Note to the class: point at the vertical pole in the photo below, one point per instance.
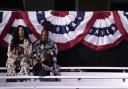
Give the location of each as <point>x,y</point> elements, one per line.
<point>76,5</point>
<point>109,5</point>
<point>24,5</point>
<point>124,78</point>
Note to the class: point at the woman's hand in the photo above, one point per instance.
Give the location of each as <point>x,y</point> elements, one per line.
<point>45,56</point>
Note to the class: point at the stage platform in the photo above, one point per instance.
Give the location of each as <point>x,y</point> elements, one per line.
<point>69,80</point>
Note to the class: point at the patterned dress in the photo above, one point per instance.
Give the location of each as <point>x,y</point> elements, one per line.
<point>19,59</point>
<point>45,54</point>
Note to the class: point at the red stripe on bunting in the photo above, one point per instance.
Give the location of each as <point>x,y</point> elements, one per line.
<point>24,14</point>
<point>8,25</point>
<point>3,43</point>
<point>6,29</point>
<point>102,47</point>
<point>60,13</point>
<point>101,14</point>
<point>72,43</point>
<point>120,25</point>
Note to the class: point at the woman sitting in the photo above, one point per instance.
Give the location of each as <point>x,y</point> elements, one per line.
<point>19,52</point>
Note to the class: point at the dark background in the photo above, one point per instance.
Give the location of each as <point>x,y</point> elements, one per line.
<point>80,55</point>
<point>85,5</point>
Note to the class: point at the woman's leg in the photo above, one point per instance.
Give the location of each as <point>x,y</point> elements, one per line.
<point>24,66</point>
<point>11,67</point>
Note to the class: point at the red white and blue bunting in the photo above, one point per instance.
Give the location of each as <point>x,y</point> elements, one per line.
<point>97,30</point>
<point>121,18</point>
<point>104,33</point>
<point>8,25</point>
<point>6,20</point>
<point>67,28</point>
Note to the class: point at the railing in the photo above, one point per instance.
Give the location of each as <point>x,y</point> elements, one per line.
<point>122,76</point>
<point>99,68</point>
<point>67,87</point>
<point>73,85</point>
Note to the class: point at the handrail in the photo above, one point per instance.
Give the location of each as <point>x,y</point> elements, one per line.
<point>122,76</point>
<point>99,68</point>
<point>67,87</point>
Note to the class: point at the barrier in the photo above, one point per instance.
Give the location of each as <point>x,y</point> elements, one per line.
<point>71,80</point>
<point>99,68</point>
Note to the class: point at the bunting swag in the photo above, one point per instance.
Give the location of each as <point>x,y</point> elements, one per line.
<point>121,18</point>
<point>9,26</point>
<point>97,30</point>
<point>31,19</point>
<point>6,20</point>
<point>66,28</point>
<point>104,33</point>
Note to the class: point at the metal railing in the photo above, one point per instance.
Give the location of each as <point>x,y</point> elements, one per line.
<point>66,85</point>
<point>99,68</point>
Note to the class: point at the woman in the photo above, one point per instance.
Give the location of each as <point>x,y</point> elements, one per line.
<point>44,55</point>
<point>19,51</point>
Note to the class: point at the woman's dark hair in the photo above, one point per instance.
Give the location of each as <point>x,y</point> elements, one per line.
<point>15,41</point>
<point>45,25</point>
<point>45,29</point>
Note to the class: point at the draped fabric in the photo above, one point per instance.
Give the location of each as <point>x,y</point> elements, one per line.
<point>104,33</point>
<point>6,20</point>
<point>69,29</point>
<point>97,30</point>
<point>121,17</point>
<point>10,20</point>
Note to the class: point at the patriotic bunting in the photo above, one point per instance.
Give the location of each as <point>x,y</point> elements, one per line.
<point>6,20</point>
<point>97,30</point>
<point>67,28</point>
<point>121,18</point>
<point>104,33</point>
<point>10,22</point>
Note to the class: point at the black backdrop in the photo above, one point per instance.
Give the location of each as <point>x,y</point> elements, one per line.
<point>80,55</point>
<point>85,5</point>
